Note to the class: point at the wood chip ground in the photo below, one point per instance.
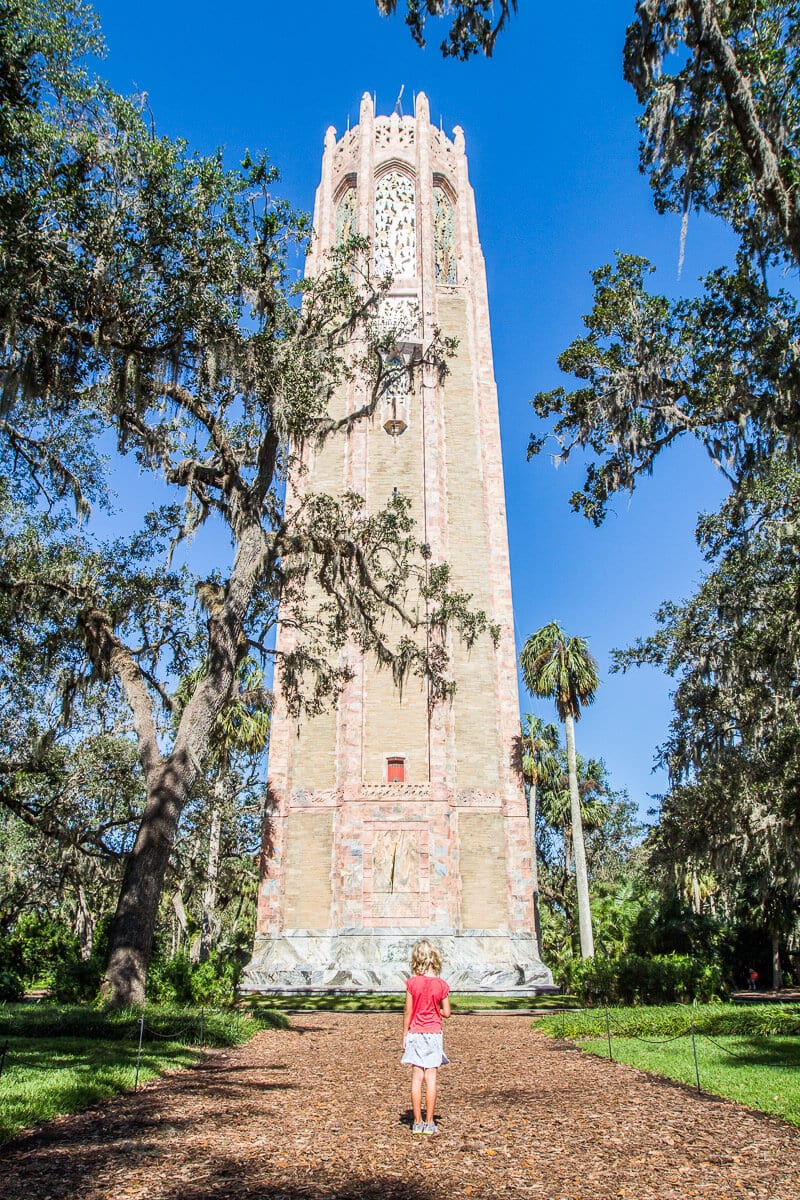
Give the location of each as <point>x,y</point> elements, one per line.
<point>322,1110</point>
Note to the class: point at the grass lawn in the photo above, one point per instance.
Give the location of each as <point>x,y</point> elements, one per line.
<point>751,1055</point>
<point>43,1079</point>
<point>62,1058</point>
<point>765,1074</point>
<point>394,1001</point>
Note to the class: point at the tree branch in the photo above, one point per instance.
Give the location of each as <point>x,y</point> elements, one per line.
<point>756,145</point>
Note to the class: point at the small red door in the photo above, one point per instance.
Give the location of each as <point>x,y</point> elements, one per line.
<point>396,770</point>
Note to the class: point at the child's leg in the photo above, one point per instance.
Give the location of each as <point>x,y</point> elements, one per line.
<point>430,1094</point>
<point>417,1075</point>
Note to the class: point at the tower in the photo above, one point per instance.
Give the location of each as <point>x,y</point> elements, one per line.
<point>391,820</point>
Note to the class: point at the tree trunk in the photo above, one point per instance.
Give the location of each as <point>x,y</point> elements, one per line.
<point>131,939</point>
<point>210,922</point>
<point>170,780</point>
<point>578,846</point>
<point>182,925</point>
<point>84,925</point>
<point>537,928</point>
<point>777,974</point>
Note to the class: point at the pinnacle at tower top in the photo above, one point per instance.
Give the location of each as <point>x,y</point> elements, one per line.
<point>389,818</point>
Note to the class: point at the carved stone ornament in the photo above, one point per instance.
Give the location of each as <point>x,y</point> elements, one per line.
<point>394,132</point>
<point>395,226</point>
<point>400,316</point>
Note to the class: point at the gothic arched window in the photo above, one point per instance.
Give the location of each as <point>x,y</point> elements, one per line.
<point>346,216</point>
<point>444,237</point>
<point>395,225</point>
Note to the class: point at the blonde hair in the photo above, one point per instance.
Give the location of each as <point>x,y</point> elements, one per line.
<point>425,957</point>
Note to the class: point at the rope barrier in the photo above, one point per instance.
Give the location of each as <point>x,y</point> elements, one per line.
<point>637,1037</point>
<point>181,1035</point>
<point>184,1035</point>
<point>176,1035</point>
<point>70,1029</point>
<point>690,1031</point>
<point>650,1041</point>
<point>732,1053</point>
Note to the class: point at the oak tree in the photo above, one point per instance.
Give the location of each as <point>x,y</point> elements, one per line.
<point>151,309</point>
<point>475,24</point>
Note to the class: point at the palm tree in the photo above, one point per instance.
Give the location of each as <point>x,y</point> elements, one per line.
<point>561,668</point>
<point>540,744</point>
<point>554,806</point>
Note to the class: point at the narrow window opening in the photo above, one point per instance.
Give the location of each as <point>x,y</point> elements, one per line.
<point>396,770</point>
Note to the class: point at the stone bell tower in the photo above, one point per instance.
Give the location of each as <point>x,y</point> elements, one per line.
<point>390,819</point>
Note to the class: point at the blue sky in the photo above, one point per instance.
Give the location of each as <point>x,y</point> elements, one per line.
<point>551,137</point>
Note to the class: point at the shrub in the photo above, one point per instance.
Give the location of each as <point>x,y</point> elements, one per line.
<point>44,951</point>
<point>177,980</point>
<point>717,1020</point>
<point>11,986</point>
<point>76,979</point>
<point>634,979</point>
<point>214,981</point>
<point>168,980</point>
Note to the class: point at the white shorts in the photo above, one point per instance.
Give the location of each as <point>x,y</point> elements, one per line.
<point>424,1050</point>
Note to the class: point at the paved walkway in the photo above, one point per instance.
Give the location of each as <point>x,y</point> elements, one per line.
<point>322,1111</point>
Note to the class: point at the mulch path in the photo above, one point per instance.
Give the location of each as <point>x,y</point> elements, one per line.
<point>322,1111</point>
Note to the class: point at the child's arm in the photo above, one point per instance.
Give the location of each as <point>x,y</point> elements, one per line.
<point>407,1016</point>
<point>445,1006</point>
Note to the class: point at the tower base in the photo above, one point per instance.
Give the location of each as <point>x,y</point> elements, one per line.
<point>378,961</point>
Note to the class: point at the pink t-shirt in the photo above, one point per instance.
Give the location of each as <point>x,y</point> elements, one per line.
<point>427,994</point>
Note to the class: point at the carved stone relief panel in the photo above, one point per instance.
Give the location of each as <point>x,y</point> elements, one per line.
<point>395,861</point>
<point>395,225</point>
<point>396,866</point>
<point>444,237</point>
<point>400,315</point>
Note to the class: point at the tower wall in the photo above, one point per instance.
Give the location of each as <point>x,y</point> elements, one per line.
<point>357,866</point>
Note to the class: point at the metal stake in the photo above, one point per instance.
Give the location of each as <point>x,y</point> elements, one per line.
<point>139,1053</point>
<point>694,1052</point>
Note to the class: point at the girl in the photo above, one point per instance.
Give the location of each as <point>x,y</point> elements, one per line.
<point>427,1001</point>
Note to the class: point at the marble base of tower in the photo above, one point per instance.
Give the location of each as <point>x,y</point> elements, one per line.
<point>378,961</point>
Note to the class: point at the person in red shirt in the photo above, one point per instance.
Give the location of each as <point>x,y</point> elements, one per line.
<point>427,1001</point>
